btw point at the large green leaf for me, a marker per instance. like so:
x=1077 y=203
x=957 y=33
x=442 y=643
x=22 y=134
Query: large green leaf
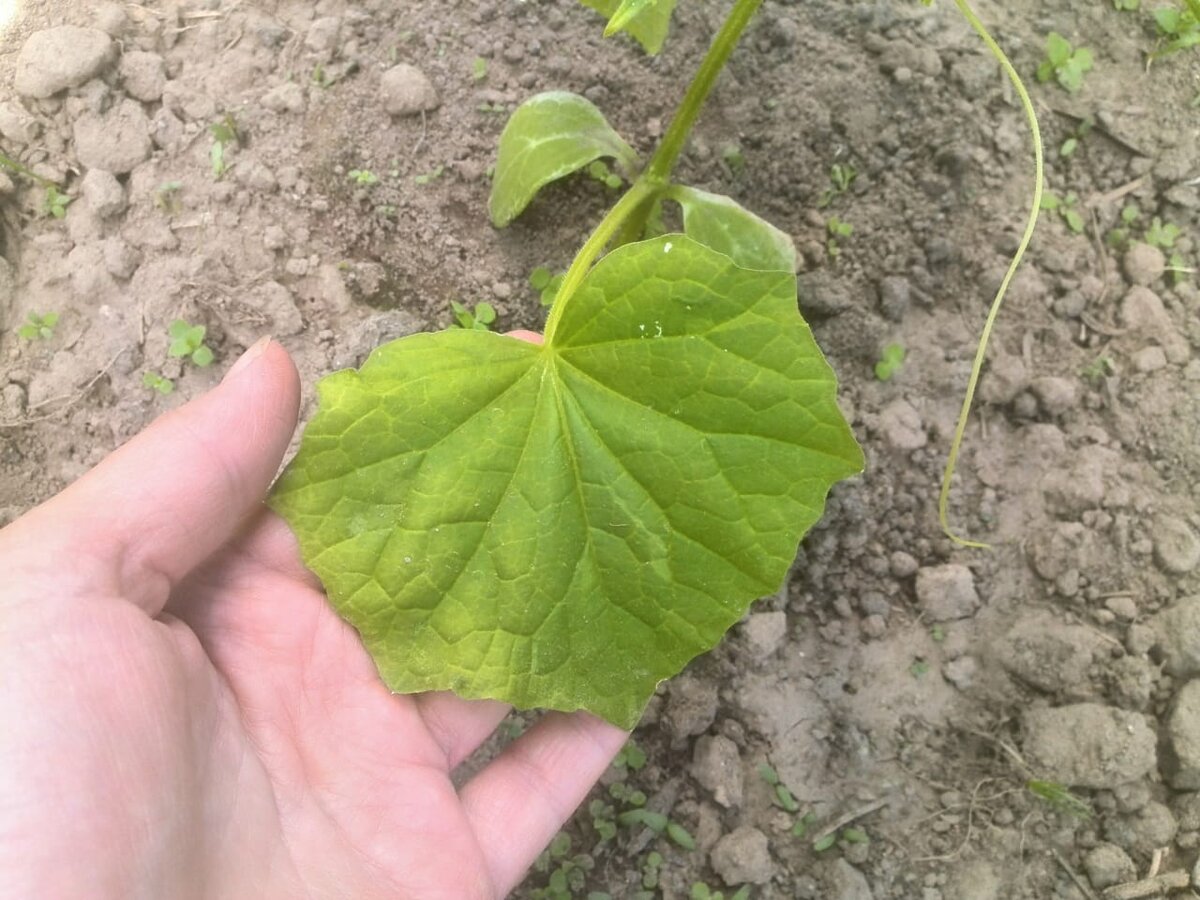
x=550 y=136
x=647 y=21
x=727 y=227
x=566 y=525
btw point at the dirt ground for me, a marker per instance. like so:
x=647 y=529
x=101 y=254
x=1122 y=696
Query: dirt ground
x=907 y=693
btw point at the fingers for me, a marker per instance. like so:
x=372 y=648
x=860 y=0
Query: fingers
x=520 y=801
x=459 y=726
x=168 y=499
x=522 y=335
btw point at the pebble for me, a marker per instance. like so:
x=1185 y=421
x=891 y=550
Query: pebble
x=1050 y=655
x=895 y=295
x=1142 y=832
x=1143 y=264
x=947 y=592
x=7 y=188
x=1056 y=396
x=1006 y=378
x=59 y=58
x=902 y=564
x=120 y=259
x=104 y=194
x=116 y=141
x=1176 y=545
x=1149 y=359
x=902 y=427
x=1183 y=729
x=847 y=883
x=743 y=857
x=406 y=91
x=1122 y=607
x=1089 y=744
x=286 y=97
x=691 y=706
x=1142 y=312
x=717 y=766
x=1176 y=631
x=961 y=672
x=763 y=633
x=274 y=237
x=323 y=34
x=1108 y=864
x=143 y=75
x=16 y=124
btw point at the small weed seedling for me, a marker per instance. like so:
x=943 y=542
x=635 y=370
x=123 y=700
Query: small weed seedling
x=479 y=68
x=546 y=284
x=1178 y=27
x=1099 y=369
x=38 y=327
x=56 y=202
x=919 y=668
x=1127 y=5
x=841 y=176
x=734 y=159
x=479 y=319
x=158 y=383
x=891 y=360
x=783 y=797
x=1059 y=798
x=429 y=177
x=187 y=342
x=1065 y=64
x=837 y=232
x=166 y=197
x=363 y=177
x=1071 y=144
x=631 y=757
x=701 y=891
x=225 y=135
x=1066 y=209
x=1162 y=235
x=568 y=874
x=600 y=172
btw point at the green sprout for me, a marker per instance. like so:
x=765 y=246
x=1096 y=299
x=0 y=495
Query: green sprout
x=600 y=171
x=841 y=176
x=56 y=202
x=158 y=383
x=783 y=797
x=631 y=756
x=732 y=156
x=187 y=341
x=363 y=177
x=1099 y=369
x=1071 y=144
x=919 y=668
x=1059 y=798
x=480 y=319
x=837 y=230
x=546 y=284
x=701 y=891
x=479 y=68
x=1065 y=64
x=429 y=177
x=166 y=197
x=890 y=361
x=1065 y=207
x=1127 y=5
x=38 y=327
x=1162 y=235
x=224 y=134
x=1178 y=27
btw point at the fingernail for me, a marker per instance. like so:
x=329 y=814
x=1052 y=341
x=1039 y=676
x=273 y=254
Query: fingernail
x=253 y=352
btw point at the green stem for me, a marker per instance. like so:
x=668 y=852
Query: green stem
x=655 y=179
x=981 y=352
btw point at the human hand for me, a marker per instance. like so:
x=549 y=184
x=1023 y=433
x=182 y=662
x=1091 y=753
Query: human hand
x=183 y=715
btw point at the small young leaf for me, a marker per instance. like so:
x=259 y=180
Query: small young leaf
x=652 y=820
x=854 y=836
x=549 y=136
x=505 y=520
x=768 y=774
x=822 y=844
x=539 y=278
x=727 y=227
x=647 y=21
x=784 y=799
x=1058 y=49
x=203 y=356
x=680 y=836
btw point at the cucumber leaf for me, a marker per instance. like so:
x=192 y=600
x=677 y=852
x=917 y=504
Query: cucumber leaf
x=566 y=525
x=726 y=226
x=646 y=21
x=550 y=136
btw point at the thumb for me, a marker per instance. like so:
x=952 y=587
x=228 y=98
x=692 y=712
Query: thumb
x=154 y=509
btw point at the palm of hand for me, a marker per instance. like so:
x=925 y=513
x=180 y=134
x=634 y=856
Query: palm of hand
x=209 y=727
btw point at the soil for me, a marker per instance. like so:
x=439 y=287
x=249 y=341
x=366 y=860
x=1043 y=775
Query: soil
x=900 y=687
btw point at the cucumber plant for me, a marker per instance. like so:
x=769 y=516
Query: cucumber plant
x=565 y=524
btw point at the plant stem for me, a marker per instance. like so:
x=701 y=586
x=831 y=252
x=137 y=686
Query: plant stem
x=640 y=196
x=981 y=352
x=706 y=77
